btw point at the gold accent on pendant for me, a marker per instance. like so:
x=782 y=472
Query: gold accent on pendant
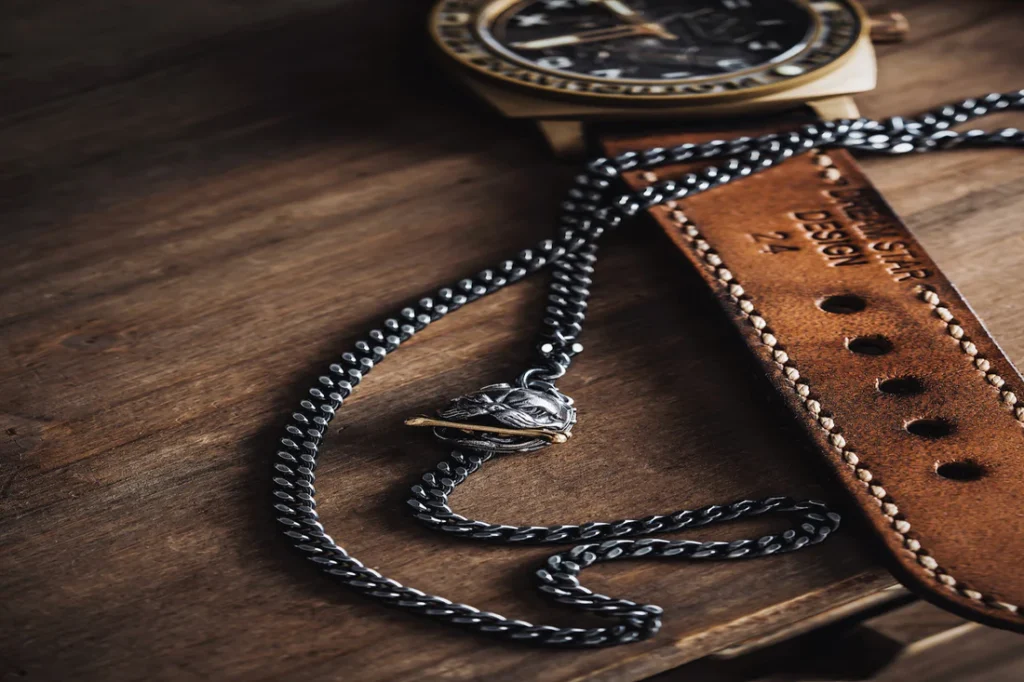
x=549 y=436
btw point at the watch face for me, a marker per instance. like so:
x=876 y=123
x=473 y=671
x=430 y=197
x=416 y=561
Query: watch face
x=649 y=49
x=651 y=40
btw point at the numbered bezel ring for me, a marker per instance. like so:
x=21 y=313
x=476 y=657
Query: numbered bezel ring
x=461 y=29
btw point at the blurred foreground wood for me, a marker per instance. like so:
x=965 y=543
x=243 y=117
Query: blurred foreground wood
x=204 y=202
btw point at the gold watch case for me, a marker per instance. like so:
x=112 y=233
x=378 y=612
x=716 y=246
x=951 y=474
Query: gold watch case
x=836 y=62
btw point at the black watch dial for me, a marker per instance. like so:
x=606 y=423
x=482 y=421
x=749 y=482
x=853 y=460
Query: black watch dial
x=653 y=40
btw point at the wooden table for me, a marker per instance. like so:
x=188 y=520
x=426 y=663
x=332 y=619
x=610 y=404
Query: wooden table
x=205 y=202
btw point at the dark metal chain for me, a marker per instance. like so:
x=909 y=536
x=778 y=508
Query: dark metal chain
x=596 y=204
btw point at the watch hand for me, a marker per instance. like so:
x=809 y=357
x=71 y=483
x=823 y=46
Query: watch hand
x=597 y=34
x=724 y=25
x=630 y=15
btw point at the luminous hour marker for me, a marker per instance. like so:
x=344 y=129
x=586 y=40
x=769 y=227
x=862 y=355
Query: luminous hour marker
x=770 y=22
x=789 y=70
x=732 y=64
x=607 y=73
x=526 y=20
x=676 y=74
x=555 y=62
x=826 y=6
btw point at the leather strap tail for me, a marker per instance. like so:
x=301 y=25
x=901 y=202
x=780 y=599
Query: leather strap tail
x=893 y=376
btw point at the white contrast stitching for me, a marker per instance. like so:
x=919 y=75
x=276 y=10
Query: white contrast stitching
x=822 y=418
x=1006 y=396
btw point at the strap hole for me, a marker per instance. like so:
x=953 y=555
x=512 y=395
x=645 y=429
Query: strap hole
x=901 y=386
x=930 y=428
x=869 y=345
x=843 y=304
x=964 y=470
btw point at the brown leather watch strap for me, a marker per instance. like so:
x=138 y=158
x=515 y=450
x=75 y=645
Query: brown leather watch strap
x=898 y=383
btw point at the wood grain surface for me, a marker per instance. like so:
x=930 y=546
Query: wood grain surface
x=205 y=202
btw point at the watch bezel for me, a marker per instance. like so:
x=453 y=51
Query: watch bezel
x=471 y=13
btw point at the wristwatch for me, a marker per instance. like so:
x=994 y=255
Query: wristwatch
x=897 y=383
x=566 y=63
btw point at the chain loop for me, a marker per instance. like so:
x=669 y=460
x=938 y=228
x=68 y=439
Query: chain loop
x=593 y=206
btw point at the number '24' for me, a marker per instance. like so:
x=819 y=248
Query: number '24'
x=769 y=242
